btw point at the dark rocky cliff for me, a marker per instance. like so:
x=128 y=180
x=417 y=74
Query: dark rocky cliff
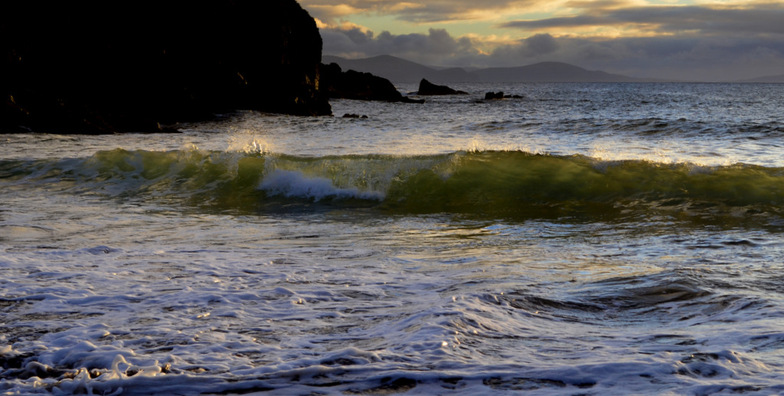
x=141 y=65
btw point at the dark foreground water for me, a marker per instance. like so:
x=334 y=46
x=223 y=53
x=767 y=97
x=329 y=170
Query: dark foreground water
x=585 y=239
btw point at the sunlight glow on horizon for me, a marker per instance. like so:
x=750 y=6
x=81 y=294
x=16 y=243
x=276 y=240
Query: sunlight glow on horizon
x=403 y=18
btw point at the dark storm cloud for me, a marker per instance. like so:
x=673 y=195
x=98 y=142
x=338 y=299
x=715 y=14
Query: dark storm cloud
x=532 y=47
x=768 y=19
x=450 y=10
x=720 y=58
x=678 y=57
x=433 y=47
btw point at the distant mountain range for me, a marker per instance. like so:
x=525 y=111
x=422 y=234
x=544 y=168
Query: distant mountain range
x=767 y=79
x=403 y=71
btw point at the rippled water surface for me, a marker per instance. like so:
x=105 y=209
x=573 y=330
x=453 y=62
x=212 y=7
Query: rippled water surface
x=582 y=239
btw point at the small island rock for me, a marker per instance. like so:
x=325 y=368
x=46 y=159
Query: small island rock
x=428 y=88
x=500 y=95
x=356 y=85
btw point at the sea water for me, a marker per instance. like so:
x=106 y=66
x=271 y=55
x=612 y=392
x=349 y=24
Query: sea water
x=581 y=239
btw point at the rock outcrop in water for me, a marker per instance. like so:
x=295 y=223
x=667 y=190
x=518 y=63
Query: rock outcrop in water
x=500 y=95
x=355 y=85
x=428 y=88
x=127 y=66
x=494 y=95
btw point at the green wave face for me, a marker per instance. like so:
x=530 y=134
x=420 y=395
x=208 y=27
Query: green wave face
x=514 y=184
x=507 y=184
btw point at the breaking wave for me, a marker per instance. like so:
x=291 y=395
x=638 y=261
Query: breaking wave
x=509 y=184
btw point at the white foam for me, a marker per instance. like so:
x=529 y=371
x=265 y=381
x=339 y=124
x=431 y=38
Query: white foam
x=158 y=297
x=7 y=350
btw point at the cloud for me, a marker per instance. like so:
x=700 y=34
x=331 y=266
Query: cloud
x=417 y=12
x=764 y=19
x=433 y=48
x=719 y=58
x=540 y=45
x=736 y=16
x=716 y=41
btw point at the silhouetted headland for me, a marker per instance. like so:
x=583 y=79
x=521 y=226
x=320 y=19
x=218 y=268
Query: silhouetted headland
x=144 y=66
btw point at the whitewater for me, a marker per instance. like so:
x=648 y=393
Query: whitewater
x=583 y=239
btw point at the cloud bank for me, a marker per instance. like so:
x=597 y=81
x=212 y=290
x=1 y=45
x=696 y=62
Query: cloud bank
x=696 y=42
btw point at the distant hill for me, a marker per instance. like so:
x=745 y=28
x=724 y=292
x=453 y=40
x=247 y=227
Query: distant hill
x=400 y=70
x=767 y=79
x=548 y=72
x=403 y=71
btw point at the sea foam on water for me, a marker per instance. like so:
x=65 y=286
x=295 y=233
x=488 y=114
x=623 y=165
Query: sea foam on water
x=633 y=249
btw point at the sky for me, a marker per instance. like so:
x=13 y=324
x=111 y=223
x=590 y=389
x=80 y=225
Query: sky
x=694 y=40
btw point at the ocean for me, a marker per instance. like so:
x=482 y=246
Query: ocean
x=582 y=239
